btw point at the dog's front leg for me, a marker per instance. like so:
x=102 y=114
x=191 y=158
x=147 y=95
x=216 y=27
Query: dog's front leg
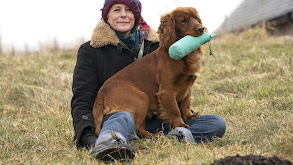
x=169 y=109
x=184 y=106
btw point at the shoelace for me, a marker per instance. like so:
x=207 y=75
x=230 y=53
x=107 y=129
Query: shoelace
x=118 y=140
x=180 y=136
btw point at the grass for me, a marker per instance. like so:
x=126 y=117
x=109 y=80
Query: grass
x=249 y=85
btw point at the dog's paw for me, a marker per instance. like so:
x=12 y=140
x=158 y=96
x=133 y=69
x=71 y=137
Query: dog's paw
x=185 y=125
x=179 y=123
x=195 y=114
x=146 y=134
x=192 y=116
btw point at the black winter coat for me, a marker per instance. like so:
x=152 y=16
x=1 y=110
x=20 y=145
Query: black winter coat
x=97 y=60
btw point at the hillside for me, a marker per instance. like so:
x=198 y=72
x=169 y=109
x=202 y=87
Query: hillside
x=249 y=85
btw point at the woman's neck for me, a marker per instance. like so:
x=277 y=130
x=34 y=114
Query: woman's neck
x=125 y=34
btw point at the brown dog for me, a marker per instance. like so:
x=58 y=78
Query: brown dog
x=156 y=84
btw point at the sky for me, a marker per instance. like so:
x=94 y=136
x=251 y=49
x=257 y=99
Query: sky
x=32 y=24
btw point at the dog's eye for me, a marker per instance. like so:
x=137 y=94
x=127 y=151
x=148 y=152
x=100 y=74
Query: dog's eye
x=184 y=20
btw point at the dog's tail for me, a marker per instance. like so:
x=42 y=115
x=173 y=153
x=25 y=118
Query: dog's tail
x=98 y=113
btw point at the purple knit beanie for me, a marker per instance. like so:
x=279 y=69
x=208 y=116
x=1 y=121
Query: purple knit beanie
x=134 y=6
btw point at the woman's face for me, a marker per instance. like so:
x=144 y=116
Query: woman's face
x=121 y=19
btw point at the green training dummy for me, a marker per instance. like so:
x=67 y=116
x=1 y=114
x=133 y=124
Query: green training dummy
x=188 y=44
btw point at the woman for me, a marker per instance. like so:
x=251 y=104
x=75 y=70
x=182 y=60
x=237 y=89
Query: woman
x=120 y=38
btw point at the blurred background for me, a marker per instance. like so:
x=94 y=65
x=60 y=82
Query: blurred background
x=36 y=25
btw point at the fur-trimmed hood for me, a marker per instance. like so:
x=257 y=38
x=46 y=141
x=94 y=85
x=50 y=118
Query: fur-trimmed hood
x=104 y=35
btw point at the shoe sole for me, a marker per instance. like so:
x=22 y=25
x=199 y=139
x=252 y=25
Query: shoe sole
x=121 y=153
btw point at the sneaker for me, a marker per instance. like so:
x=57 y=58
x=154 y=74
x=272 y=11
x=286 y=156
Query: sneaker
x=112 y=146
x=183 y=134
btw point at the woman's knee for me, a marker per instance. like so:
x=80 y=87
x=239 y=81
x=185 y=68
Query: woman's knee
x=220 y=125
x=208 y=126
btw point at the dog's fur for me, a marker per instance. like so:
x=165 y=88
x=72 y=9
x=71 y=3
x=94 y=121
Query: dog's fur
x=156 y=84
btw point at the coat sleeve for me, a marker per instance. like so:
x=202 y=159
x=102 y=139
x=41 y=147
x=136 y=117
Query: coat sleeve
x=84 y=88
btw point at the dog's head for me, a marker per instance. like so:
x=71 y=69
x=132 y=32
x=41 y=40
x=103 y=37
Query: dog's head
x=178 y=23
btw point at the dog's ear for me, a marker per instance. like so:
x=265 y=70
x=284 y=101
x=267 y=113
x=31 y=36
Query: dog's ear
x=166 y=31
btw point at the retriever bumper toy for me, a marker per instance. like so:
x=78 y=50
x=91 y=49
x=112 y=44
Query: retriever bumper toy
x=188 y=44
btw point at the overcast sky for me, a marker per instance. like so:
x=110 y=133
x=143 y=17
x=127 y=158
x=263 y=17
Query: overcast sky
x=35 y=22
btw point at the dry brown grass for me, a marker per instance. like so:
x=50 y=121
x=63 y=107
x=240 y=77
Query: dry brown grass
x=249 y=85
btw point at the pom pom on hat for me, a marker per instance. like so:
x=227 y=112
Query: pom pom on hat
x=134 y=6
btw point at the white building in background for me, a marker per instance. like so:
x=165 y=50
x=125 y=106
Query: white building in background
x=276 y=13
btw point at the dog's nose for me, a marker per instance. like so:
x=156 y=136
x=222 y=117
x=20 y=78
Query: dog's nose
x=200 y=29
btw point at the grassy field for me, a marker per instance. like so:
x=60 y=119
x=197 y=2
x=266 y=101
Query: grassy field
x=250 y=85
